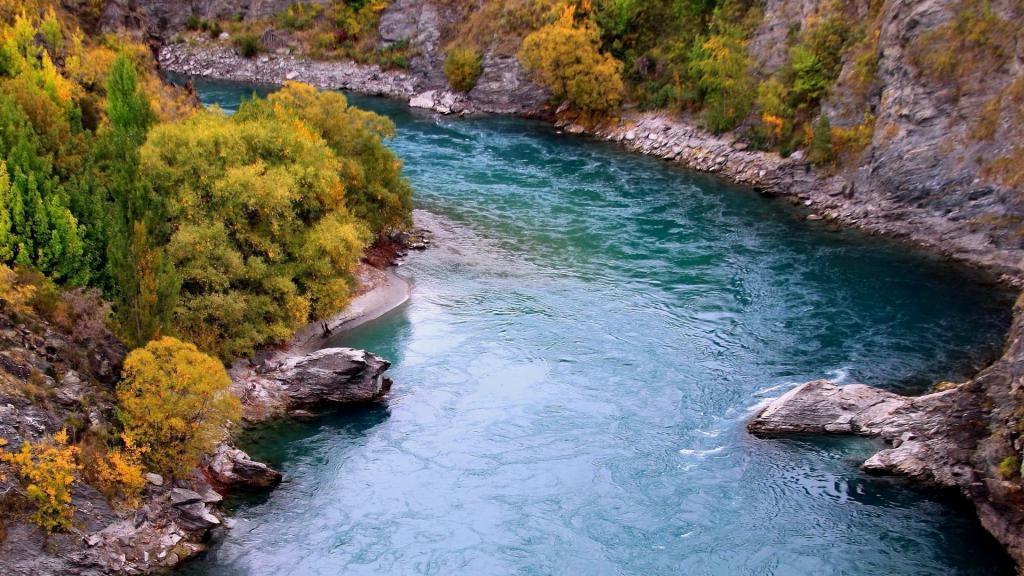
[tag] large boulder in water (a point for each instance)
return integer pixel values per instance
(303, 381)
(334, 375)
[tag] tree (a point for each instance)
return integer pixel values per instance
(144, 281)
(375, 191)
(174, 402)
(47, 471)
(37, 227)
(264, 237)
(719, 65)
(565, 58)
(462, 67)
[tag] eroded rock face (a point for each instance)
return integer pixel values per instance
(924, 445)
(960, 438)
(305, 381)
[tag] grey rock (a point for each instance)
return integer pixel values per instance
(233, 469)
(326, 377)
(183, 496)
(196, 516)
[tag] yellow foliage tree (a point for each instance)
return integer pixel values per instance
(47, 471)
(16, 297)
(565, 57)
(118, 473)
(174, 401)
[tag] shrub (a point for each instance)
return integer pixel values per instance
(174, 404)
(14, 296)
(565, 58)
(1009, 467)
(248, 44)
(274, 207)
(215, 30)
(462, 67)
(849, 142)
(192, 23)
(719, 65)
(820, 150)
(47, 472)
(117, 473)
(299, 16)
(975, 41)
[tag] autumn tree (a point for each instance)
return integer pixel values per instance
(272, 210)
(462, 67)
(565, 57)
(174, 402)
(375, 191)
(47, 472)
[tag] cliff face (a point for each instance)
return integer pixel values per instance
(939, 139)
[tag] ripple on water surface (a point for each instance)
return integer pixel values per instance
(575, 368)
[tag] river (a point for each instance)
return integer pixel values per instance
(575, 368)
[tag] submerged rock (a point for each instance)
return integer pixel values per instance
(966, 436)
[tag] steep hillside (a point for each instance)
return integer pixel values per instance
(905, 111)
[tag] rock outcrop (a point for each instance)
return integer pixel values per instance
(968, 437)
(231, 469)
(326, 377)
(214, 60)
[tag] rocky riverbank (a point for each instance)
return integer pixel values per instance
(826, 196)
(176, 518)
(964, 437)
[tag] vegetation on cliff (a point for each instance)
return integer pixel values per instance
(227, 232)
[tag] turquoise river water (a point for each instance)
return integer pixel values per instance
(575, 368)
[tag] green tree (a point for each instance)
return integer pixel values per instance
(145, 284)
(720, 67)
(37, 227)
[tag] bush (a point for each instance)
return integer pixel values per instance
(299, 16)
(174, 404)
(275, 206)
(248, 44)
(820, 150)
(215, 30)
(1009, 468)
(719, 65)
(565, 58)
(192, 23)
(117, 473)
(14, 296)
(47, 471)
(462, 67)
(974, 43)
